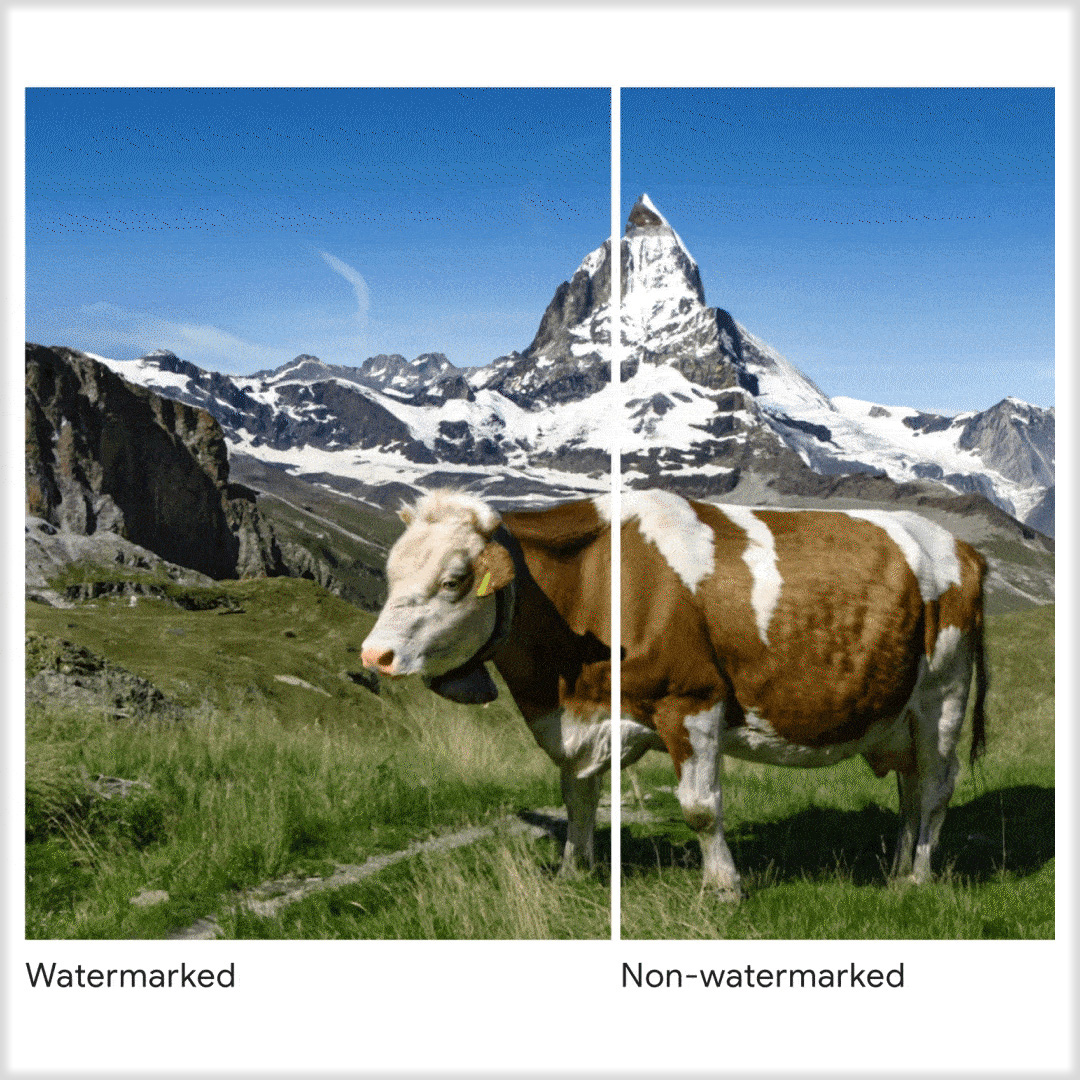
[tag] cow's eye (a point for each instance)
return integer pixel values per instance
(453, 584)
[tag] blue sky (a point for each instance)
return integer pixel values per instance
(894, 244)
(242, 227)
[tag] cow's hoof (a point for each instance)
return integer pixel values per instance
(573, 871)
(725, 892)
(904, 881)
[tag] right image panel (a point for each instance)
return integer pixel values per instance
(838, 513)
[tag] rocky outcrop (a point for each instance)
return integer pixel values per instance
(60, 674)
(56, 560)
(257, 550)
(104, 455)
(305, 563)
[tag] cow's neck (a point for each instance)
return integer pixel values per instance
(543, 662)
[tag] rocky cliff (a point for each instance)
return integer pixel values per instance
(102, 454)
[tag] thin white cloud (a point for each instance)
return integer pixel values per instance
(110, 328)
(356, 280)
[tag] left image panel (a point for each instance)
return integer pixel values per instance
(317, 567)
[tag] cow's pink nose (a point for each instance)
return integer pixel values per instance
(380, 660)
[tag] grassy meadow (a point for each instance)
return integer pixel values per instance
(268, 779)
(814, 846)
(288, 764)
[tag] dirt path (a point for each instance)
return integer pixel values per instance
(271, 897)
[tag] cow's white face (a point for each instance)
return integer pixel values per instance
(434, 620)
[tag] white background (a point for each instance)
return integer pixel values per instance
(538, 1007)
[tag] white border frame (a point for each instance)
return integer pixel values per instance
(427, 1007)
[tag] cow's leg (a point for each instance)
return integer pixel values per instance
(935, 799)
(937, 772)
(694, 741)
(582, 750)
(939, 704)
(907, 789)
(581, 795)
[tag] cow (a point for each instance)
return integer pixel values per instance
(790, 637)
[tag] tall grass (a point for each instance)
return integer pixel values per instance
(235, 799)
(262, 778)
(504, 888)
(265, 780)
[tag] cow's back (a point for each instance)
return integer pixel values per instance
(568, 551)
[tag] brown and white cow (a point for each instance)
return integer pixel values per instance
(793, 637)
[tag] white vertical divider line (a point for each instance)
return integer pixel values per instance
(615, 309)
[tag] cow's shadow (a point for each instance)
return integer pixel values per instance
(1010, 829)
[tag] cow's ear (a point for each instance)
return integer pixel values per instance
(493, 568)
(406, 515)
(487, 521)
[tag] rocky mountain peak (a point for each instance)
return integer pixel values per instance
(166, 360)
(426, 379)
(664, 317)
(304, 366)
(659, 273)
(433, 366)
(644, 214)
(1018, 437)
(436, 359)
(568, 358)
(305, 362)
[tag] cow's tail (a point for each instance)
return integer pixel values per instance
(982, 683)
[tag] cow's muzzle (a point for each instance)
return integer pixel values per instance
(380, 660)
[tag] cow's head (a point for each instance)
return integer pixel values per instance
(445, 573)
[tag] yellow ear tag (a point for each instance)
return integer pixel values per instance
(483, 590)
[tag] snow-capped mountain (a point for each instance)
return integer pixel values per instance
(705, 393)
(393, 425)
(569, 359)
(704, 407)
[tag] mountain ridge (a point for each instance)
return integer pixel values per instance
(705, 406)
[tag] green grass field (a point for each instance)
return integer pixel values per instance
(268, 779)
(814, 846)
